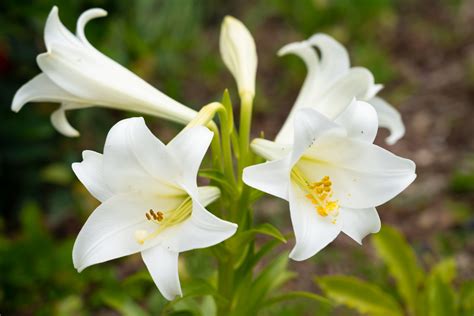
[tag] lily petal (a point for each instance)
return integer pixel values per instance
(90, 173)
(363, 175)
(334, 57)
(162, 264)
(85, 17)
(201, 230)
(109, 232)
(135, 160)
(271, 177)
(40, 89)
(312, 231)
(333, 102)
(360, 121)
(56, 32)
(309, 126)
(268, 149)
(389, 118)
(189, 147)
(358, 223)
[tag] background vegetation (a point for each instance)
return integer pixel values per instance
(423, 51)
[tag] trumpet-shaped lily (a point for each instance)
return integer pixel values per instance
(332, 175)
(77, 75)
(330, 79)
(150, 202)
(239, 54)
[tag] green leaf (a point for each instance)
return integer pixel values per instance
(360, 295)
(218, 177)
(270, 279)
(467, 298)
(445, 269)
(400, 258)
(125, 307)
(264, 229)
(440, 296)
(297, 295)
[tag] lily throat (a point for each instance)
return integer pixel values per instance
(165, 219)
(319, 193)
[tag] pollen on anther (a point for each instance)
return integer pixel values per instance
(148, 217)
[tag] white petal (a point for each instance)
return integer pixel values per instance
(208, 194)
(312, 231)
(268, 149)
(270, 177)
(56, 32)
(162, 264)
(61, 124)
(189, 148)
(389, 118)
(333, 101)
(91, 173)
(96, 79)
(334, 57)
(201, 230)
(358, 223)
(360, 120)
(40, 89)
(309, 126)
(239, 54)
(85, 17)
(109, 232)
(135, 160)
(363, 175)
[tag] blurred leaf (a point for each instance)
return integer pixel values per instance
(440, 296)
(392, 247)
(218, 177)
(295, 295)
(268, 281)
(125, 307)
(360, 295)
(264, 229)
(467, 298)
(57, 173)
(70, 306)
(445, 269)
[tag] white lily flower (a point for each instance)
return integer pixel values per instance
(77, 75)
(331, 78)
(332, 176)
(239, 54)
(150, 202)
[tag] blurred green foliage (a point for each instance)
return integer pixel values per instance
(173, 44)
(418, 292)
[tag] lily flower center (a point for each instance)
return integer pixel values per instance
(319, 193)
(165, 219)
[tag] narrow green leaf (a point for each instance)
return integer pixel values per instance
(269, 280)
(401, 261)
(227, 102)
(297, 295)
(264, 229)
(360, 295)
(440, 296)
(218, 177)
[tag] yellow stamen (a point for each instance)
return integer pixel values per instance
(319, 193)
(173, 217)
